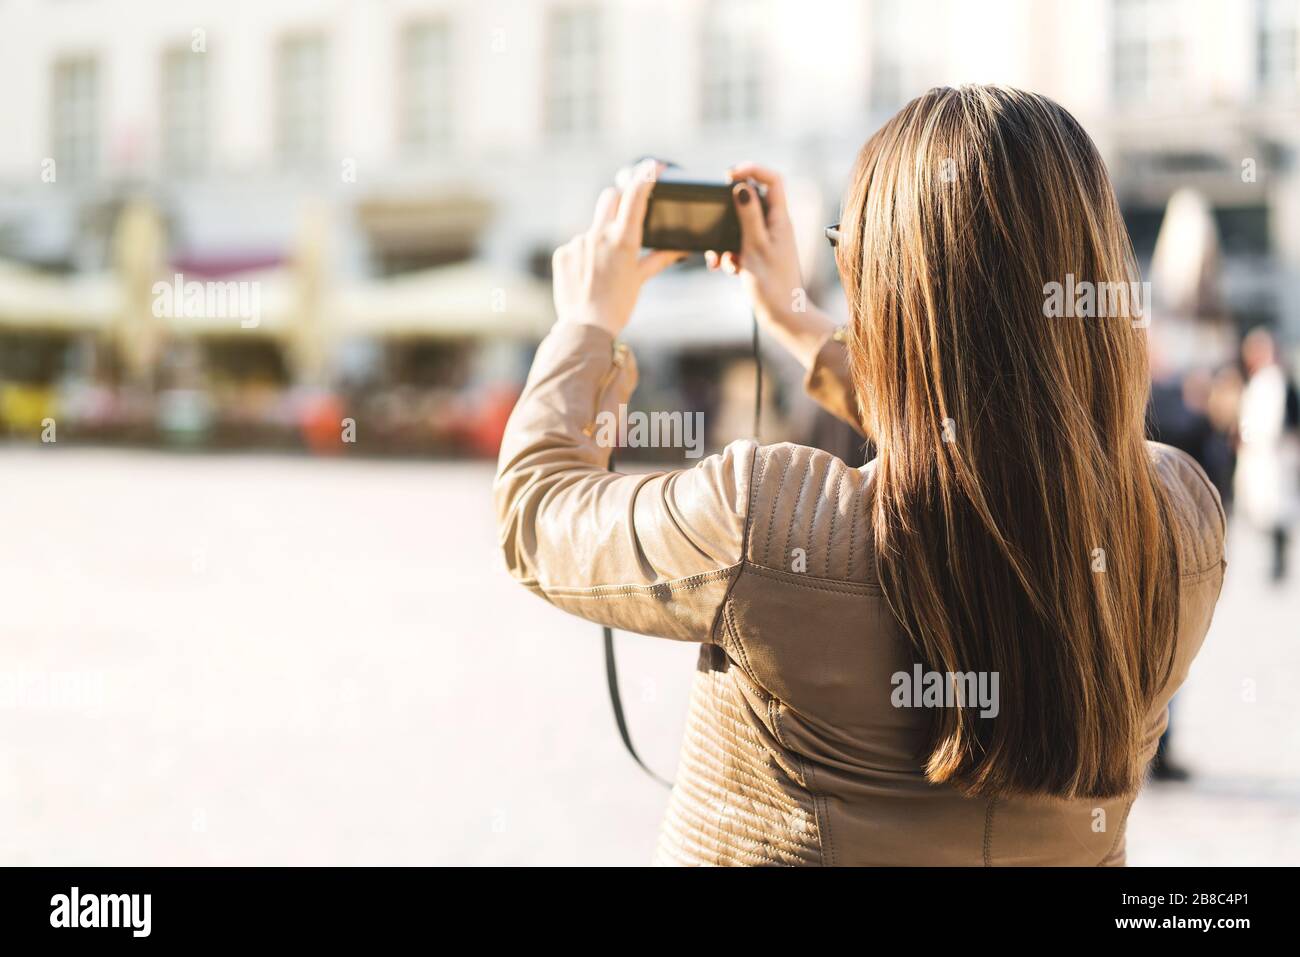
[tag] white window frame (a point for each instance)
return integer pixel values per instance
(574, 64)
(185, 114)
(1277, 41)
(1148, 50)
(424, 81)
(75, 116)
(733, 65)
(301, 113)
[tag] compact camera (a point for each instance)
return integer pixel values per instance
(693, 214)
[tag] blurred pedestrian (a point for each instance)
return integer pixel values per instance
(1179, 414)
(1223, 406)
(1268, 457)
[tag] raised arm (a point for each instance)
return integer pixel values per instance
(654, 553)
(830, 383)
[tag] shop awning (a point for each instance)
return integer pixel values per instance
(30, 299)
(469, 299)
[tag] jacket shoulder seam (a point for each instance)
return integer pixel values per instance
(813, 582)
(671, 586)
(738, 568)
(1202, 574)
(750, 504)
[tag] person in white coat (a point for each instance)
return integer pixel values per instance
(1267, 481)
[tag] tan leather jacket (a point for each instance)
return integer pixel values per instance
(793, 752)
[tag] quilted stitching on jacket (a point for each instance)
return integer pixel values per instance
(732, 804)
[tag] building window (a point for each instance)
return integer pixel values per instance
(1147, 61)
(1278, 45)
(300, 115)
(74, 119)
(573, 61)
(425, 121)
(732, 65)
(184, 110)
(888, 47)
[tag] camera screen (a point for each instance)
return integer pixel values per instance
(685, 224)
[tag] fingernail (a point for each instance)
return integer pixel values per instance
(742, 195)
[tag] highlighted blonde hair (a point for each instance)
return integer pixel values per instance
(1020, 527)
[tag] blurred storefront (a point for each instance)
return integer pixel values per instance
(430, 360)
(391, 179)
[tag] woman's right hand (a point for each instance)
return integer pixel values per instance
(768, 264)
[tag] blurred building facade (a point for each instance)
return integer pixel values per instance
(416, 135)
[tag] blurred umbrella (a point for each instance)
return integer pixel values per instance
(1187, 331)
(308, 345)
(137, 254)
(1186, 263)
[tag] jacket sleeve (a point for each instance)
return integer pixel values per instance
(649, 553)
(830, 383)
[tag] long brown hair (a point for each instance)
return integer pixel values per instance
(1019, 525)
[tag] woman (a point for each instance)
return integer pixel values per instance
(963, 652)
(1268, 457)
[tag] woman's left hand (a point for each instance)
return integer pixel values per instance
(597, 275)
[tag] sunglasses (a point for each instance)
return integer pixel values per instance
(833, 235)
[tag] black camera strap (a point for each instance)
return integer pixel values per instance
(611, 666)
(611, 675)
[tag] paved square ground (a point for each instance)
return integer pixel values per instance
(272, 660)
